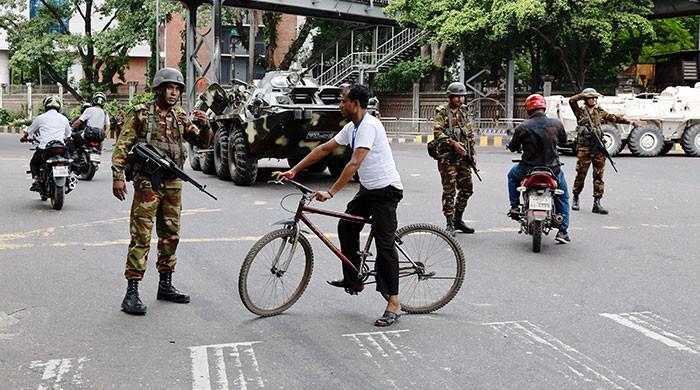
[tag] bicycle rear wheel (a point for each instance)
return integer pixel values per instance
(441, 267)
(275, 272)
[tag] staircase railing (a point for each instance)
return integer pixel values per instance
(371, 61)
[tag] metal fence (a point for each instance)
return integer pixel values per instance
(423, 126)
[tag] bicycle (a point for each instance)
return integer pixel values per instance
(271, 279)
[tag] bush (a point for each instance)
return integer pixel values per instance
(400, 77)
(11, 118)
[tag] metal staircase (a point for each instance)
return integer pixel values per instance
(355, 64)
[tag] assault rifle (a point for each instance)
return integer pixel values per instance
(159, 166)
(596, 130)
(467, 147)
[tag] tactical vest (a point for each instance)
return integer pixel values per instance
(176, 151)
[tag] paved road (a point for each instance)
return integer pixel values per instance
(616, 309)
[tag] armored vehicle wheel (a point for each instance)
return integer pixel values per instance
(318, 167)
(691, 141)
(667, 148)
(194, 159)
(612, 140)
(242, 166)
(646, 141)
(206, 160)
(336, 167)
(221, 155)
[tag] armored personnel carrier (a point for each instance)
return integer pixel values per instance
(673, 116)
(284, 116)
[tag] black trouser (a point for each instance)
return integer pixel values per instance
(35, 163)
(381, 205)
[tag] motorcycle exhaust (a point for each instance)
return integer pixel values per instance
(558, 220)
(72, 183)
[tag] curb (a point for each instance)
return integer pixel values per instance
(482, 140)
(10, 130)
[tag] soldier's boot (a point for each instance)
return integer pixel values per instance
(167, 292)
(574, 205)
(132, 303)
(460, 225)
(597, 207)
(450, 227)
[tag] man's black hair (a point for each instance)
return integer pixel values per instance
(360, 93)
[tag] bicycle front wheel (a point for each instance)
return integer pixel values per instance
(275, 272)
(439, 267)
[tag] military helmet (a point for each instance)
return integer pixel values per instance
(52, 101)
(99, 99)
(456, 89)
(168, 75)
(590, 93)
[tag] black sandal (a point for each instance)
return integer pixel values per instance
(387, 319)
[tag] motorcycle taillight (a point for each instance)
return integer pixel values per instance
(55, 150)
(94, 144)
(540, 181)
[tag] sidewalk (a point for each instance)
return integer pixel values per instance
(481, 140)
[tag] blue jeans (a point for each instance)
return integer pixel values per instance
(561, 203)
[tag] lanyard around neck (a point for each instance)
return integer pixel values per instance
(354, 132)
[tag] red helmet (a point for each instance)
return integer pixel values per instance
(535, 101)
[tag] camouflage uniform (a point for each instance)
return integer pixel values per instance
(166, 131)
(454, 170)
(587, 150)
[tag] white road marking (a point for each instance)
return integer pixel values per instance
(572, 364)
(376, 345)
(244, 360)
(5, 322)
(58, 373)
(657, 328)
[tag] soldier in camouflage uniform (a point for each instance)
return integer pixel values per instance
(588, 150)
(456, 154)
(165, 126)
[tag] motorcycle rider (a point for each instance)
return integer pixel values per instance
(95, 115)
(47, 127)
(538, 137)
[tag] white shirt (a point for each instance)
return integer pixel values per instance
(377, 170)
(49, 126)
(94, 117)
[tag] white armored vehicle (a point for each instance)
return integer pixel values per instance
(673, 116)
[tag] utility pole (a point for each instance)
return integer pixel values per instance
(252, 32)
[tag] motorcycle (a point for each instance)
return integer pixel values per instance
(537, 214)
(86, 154)
(55, 175)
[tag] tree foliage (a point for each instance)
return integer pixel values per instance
(111, 29)
(578, 35)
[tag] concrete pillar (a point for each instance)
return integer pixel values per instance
(132, 88)
(462, 65)
(415, 102)
(60, 92)
(361, 79)
(2, 90)
(157, 48)
(510, 86)
(30, 110)
(252, 32)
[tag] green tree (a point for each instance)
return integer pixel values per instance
(46, 41)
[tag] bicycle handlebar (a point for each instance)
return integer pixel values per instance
(304, 189)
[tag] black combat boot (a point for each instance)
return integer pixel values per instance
(167, 292)
(132, 303)
(450, 227)
(460, 225)
(574, 205)
(597, 208)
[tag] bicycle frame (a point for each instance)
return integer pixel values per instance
(300, 215)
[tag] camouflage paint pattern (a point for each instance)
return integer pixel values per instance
(455, 173)
(163, 205)
(587, 149)
(457, 186)
(584, 159)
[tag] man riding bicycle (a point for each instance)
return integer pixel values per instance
(379, 195)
